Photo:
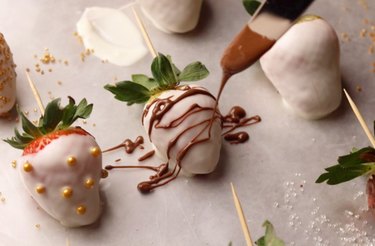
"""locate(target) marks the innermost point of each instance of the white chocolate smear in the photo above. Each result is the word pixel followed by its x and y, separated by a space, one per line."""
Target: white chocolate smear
pixel 111 35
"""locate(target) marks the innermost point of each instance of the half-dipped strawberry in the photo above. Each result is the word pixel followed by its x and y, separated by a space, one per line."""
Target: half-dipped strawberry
pixel 61 166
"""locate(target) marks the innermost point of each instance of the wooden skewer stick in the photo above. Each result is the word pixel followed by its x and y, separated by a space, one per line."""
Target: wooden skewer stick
pixel 360 119
pixel 145 34
pixel 244 226
pixel 36 93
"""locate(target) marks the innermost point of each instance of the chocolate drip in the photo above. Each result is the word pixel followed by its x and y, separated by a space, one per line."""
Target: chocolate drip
pixel 147 155
pixel 129 145
pixel 236 138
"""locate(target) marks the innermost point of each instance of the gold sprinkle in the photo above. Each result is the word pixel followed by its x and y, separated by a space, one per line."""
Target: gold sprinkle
pixel 81 210
pixel 95 151
pixel 89 183
pixel 28 70
pixel 66 62
pixel 2 199
pixel 26 113
pixel 37 226
pixel 14 163
pixel 59 82
pixel 104 173
pixel 71 161
pixel 67 192
pixel 84 121
pixel 93 124
pixel 35 110
pixel 50 70
pixel 27 167
pixel 40 189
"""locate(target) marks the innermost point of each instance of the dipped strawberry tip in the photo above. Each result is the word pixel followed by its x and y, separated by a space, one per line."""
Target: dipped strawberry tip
pixel 166 76
pixel 55 119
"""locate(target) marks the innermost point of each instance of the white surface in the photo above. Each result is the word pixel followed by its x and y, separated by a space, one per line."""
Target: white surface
pixel 283 152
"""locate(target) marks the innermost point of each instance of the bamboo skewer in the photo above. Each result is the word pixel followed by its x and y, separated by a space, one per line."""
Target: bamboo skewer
pixel 360 119
pixel 146 37
pixel 35 93
pixel 241 216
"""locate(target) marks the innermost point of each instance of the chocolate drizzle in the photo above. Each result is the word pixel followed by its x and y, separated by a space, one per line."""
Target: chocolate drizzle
pixel 128 145
pixel 147 155
pixel 163 175
pixel 236 138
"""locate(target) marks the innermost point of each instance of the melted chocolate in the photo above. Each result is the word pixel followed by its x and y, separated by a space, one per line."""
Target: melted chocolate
pixel 147 155
pixel 129 145
pixel 236 138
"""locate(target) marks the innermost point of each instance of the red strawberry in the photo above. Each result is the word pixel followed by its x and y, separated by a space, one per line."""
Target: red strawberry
pixel 61 166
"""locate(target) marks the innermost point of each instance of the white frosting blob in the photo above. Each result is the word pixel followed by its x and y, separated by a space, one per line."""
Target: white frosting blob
pixel 50 170
pixel 112 36
pixel 203 157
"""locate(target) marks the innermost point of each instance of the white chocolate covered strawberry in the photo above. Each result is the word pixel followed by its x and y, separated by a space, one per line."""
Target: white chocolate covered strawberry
pixel 61 166
pixel 178 16
pixel 7 78
pixel 182 121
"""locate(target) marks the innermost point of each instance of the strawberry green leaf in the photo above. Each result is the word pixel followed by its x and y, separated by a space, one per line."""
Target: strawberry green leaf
pixel 71 112
pixel 166 76
pixel 175 69
pixel 162 71
pixel 270 238
pixel 193 72
pixel 356 164
pixel 29 127
pixel 145 81
pixel 130 92
pixel 52 116
pixel 55 118
pixel 251 6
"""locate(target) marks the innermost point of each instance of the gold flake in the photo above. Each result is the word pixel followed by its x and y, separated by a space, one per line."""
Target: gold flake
pixel 71 161
pixel 67 192
pixel 37 226
pixel 95 151
pixel 27 167
pixel 89 183
pixel 14 163
pixel 81 210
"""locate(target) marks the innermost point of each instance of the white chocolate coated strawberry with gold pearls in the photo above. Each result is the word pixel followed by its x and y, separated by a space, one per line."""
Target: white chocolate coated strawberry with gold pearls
pixel 63 178
pixel 7 78
pixel 61 166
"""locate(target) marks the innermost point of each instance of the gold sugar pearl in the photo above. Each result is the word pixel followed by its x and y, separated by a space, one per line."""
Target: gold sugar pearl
pixel 71 161
pixel 95 151
pixel 104 173
pixel 40 189
pixel 81 210
pixel 89 183
pixel 67 192
pixel 27 167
